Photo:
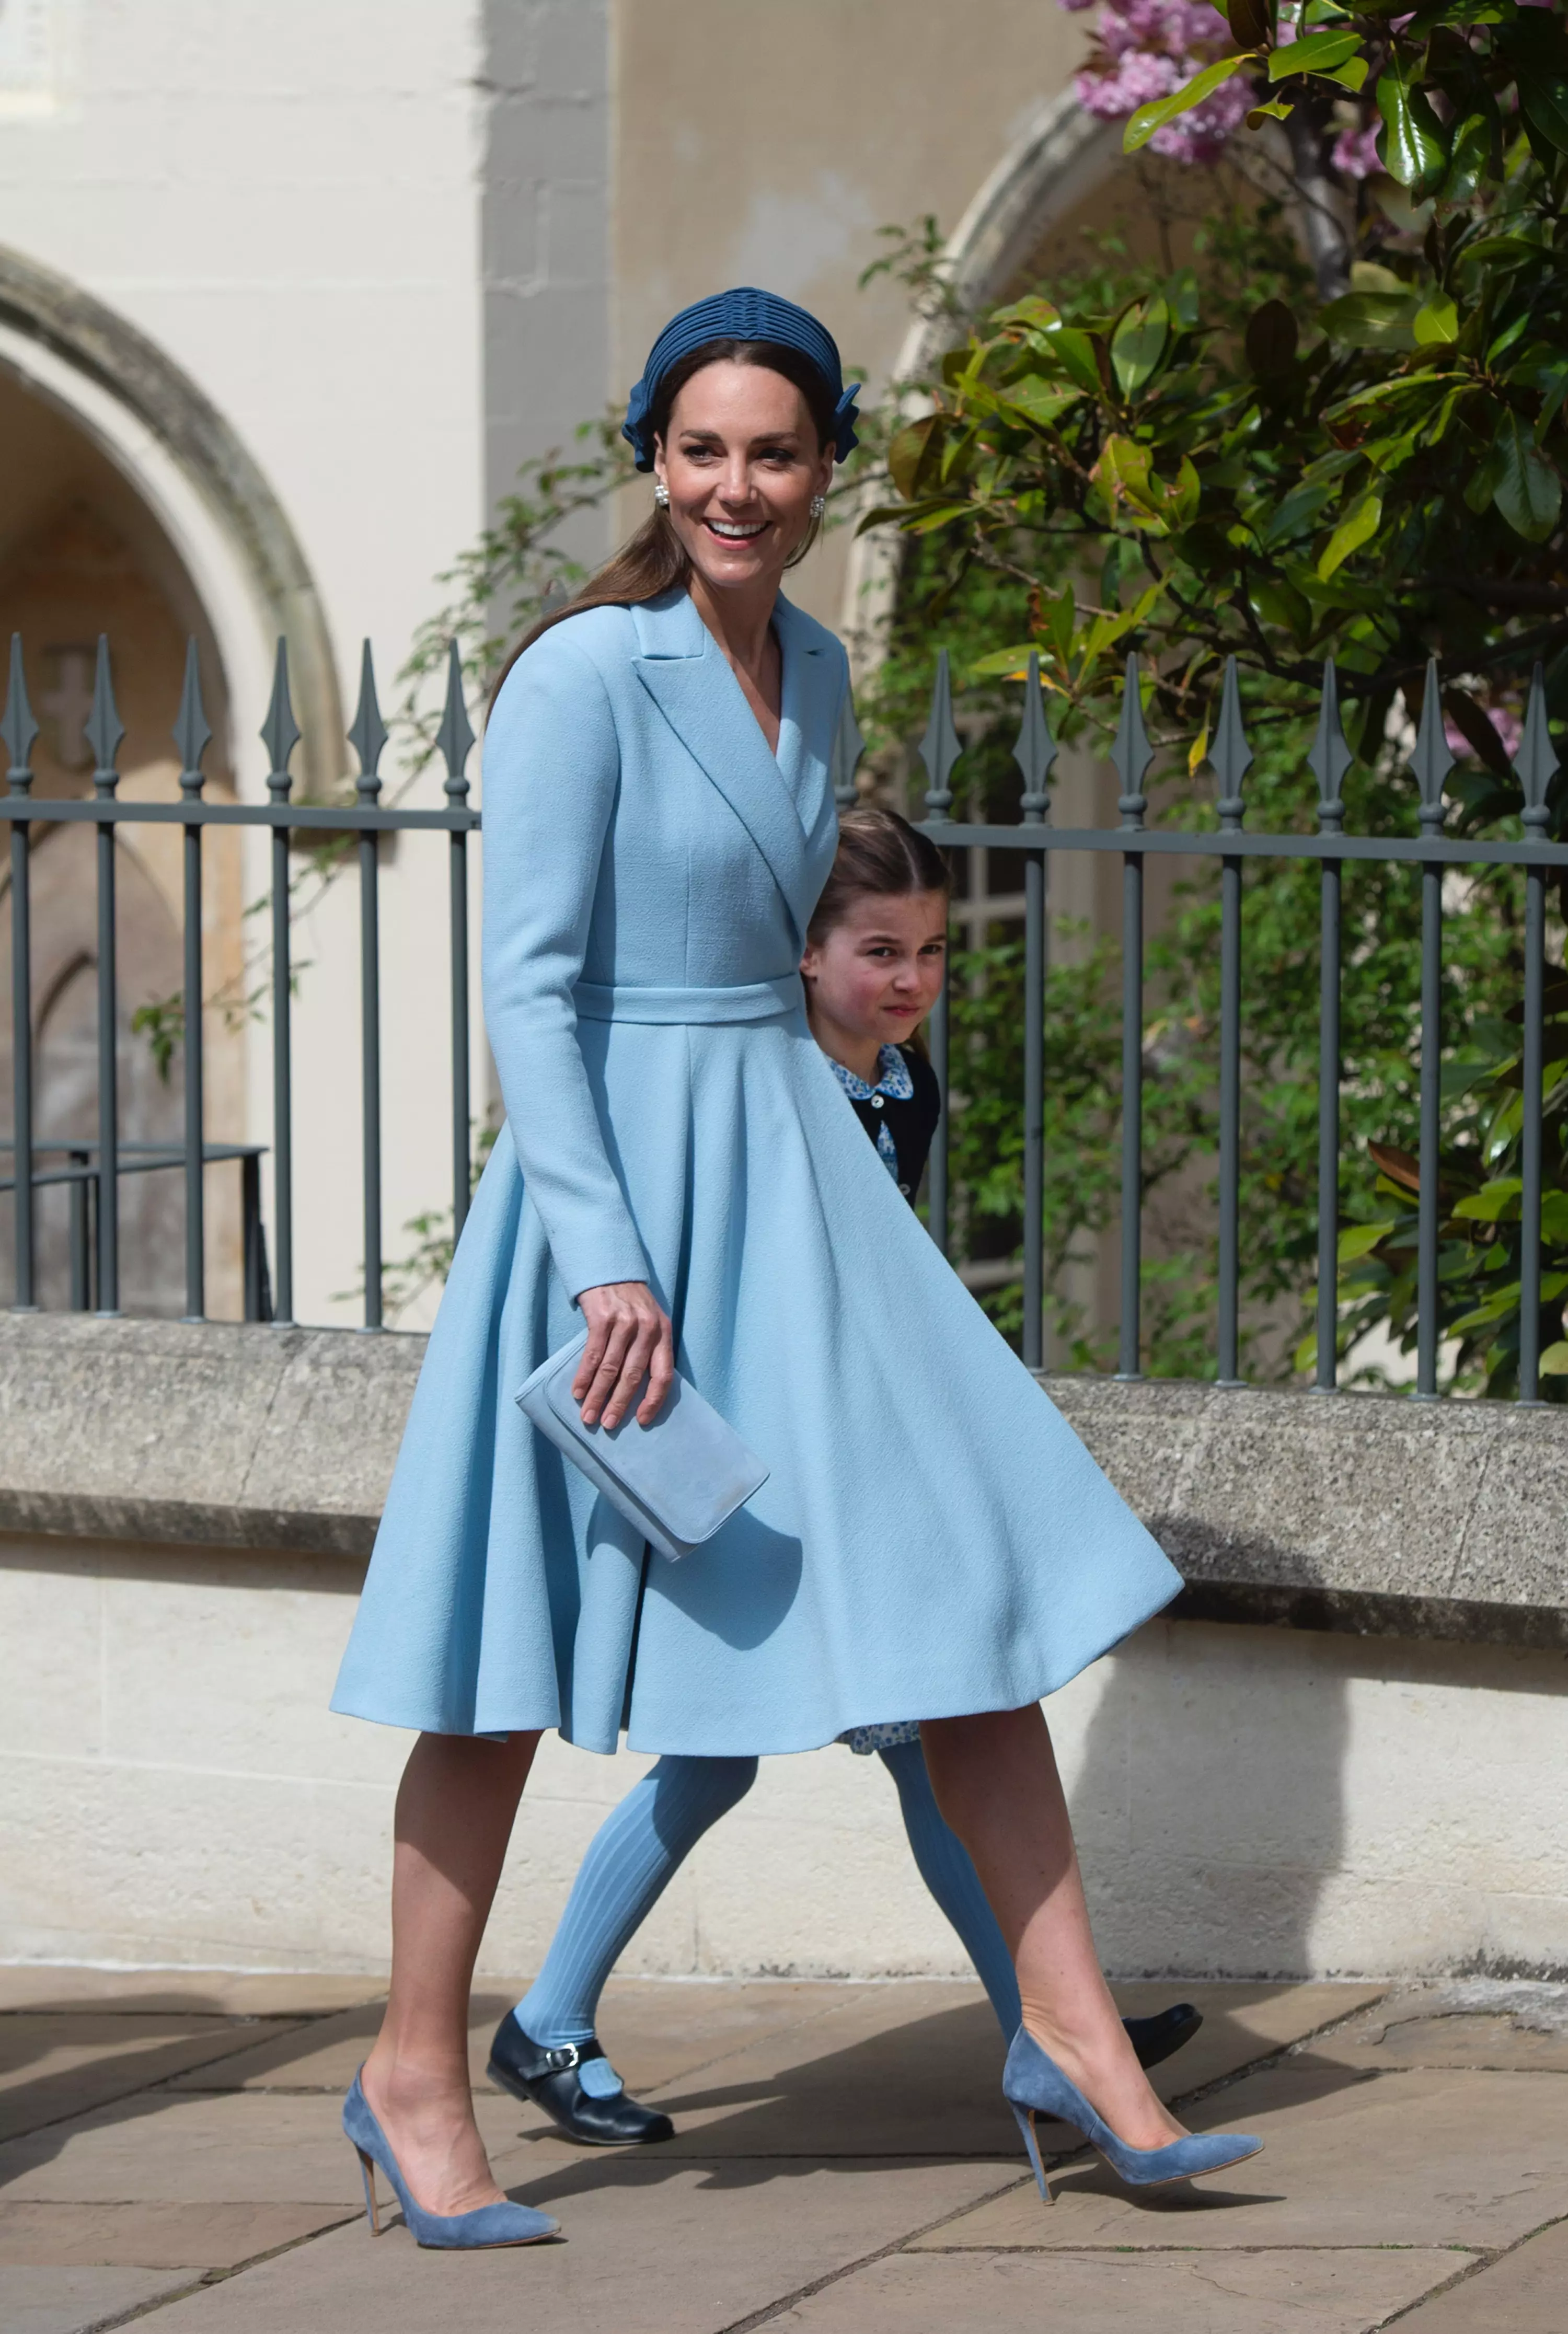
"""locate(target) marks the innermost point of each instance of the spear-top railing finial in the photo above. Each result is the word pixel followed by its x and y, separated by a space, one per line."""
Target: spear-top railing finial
pixel 368 735
pixel 939 747
pixel 17 727
pixel 1132 752
pixel 1432 759
pixel 455 737
pixel 1230 754
pixel 1535 762
pixel 280 732
pixel 191 731
pixel 1035 751
pixel 104 727
pixel 1331 757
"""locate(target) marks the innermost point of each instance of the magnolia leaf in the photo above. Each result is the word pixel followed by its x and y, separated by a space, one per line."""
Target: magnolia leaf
pixel 1470 158
pixel 1410 143
pixel 1041 403
pixel 1372 320
pixel 1142 125
pixel 907 455
pixel 1278 109
pixel 1138 342
pixel 938 514
pixel 1074 351
pixel 1360 1240
pixel 1543 102
pixel 1181 292
pixel 1036 314
pixel 1198 755
pixel 1437 324
pixel 1003 663
pixel 1360 524
pixel 1528 492
pixel 1553 1362
pixel 1251 23
pixel 1123 468
pixel 1492 1202
pixel 1352 76
pixel 1319 52
pixel 1271 337
pixel 1368 276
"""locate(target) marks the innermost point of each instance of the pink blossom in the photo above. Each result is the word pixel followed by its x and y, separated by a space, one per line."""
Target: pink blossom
pixel 1355 154
pixel 1145 49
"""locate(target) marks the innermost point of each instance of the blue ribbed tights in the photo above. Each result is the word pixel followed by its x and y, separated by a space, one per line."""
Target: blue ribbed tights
pixel 643 1842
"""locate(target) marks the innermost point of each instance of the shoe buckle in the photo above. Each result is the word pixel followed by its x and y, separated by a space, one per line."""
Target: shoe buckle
pixel 563 2055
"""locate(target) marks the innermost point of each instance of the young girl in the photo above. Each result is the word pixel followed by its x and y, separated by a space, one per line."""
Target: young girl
pixel 873 967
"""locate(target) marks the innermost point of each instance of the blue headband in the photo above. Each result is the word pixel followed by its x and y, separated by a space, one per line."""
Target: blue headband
pixel 743 314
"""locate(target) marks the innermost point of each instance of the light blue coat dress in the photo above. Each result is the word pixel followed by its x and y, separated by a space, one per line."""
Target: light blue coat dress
pixel 932 1538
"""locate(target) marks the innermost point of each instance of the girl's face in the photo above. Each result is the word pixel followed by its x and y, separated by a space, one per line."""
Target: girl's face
pixel 742 463
pixel 876 974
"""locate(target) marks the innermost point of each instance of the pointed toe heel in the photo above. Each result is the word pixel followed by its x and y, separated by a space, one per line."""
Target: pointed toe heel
pixel 1033 2084
pixel 491 2224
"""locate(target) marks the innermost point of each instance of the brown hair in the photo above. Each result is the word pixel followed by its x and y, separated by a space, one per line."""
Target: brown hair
pixel 880 857
pixel 653 559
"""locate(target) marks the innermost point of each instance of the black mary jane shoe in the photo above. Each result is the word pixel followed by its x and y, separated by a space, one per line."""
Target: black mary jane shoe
pixel 549 2079
pixel 1161 2036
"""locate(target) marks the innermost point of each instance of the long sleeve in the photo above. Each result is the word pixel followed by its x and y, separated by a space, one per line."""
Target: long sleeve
pixel 551 769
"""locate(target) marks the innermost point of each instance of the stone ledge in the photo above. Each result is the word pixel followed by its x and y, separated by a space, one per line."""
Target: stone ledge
pixel 1353 1512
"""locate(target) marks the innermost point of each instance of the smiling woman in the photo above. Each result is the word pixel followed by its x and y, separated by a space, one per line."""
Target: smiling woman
pixel 932 1543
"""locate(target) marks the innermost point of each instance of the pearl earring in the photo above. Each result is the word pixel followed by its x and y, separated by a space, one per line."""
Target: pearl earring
pixel 818 504
pixel 661 494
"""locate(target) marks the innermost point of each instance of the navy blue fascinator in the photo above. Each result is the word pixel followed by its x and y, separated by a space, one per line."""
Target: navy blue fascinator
pixel 743 314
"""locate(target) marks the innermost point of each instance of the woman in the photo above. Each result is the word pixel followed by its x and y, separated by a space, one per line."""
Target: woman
pixel 933 1541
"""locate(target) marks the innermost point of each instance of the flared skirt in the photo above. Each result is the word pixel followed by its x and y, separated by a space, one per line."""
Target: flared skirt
pixel 932 1538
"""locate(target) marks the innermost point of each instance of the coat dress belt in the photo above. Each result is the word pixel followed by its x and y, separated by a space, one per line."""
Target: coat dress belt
pixel 755 1000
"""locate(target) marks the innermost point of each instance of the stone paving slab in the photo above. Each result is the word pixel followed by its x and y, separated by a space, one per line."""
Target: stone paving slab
pixel 184 1993
pixel 65 2301
pixel 159 2149
pixel 152 2236
pixel 655 2247
pixel 54 2066
pixel 1426 2158
pixel 1409 2029
pixel 1305 2292
pixel 1525 2293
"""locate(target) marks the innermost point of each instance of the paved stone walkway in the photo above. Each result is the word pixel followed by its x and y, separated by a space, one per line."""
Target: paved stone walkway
pixel 169 2154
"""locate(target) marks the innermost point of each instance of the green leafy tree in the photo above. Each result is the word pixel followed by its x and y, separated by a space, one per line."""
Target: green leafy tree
pixel 1217 461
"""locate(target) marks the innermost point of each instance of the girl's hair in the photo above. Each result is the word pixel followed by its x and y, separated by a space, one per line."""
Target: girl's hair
pixel 653 559
pixel 880 857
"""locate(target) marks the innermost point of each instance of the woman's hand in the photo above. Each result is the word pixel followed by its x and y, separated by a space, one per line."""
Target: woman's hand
pixel 629 1338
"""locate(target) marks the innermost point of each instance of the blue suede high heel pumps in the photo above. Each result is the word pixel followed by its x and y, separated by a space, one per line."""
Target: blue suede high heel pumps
pixel 491 2224
pixel 1033 2084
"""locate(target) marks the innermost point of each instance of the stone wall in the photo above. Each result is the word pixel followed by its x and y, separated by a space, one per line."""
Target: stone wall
pixel 1344 1758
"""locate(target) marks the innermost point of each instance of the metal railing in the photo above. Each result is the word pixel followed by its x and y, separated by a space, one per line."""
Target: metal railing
pixel 1230 757
pixel 100 1164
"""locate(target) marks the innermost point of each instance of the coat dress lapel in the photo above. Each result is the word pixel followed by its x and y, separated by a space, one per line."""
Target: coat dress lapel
pixel 683 671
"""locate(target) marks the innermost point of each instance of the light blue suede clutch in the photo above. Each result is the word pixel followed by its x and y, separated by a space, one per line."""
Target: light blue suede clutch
pixel 677 1481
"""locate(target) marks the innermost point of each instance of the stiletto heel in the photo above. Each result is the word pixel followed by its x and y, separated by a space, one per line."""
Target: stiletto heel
pixel 1033 2084
pixel 491 2224
pixel 1026 2124
pixel 367 2174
